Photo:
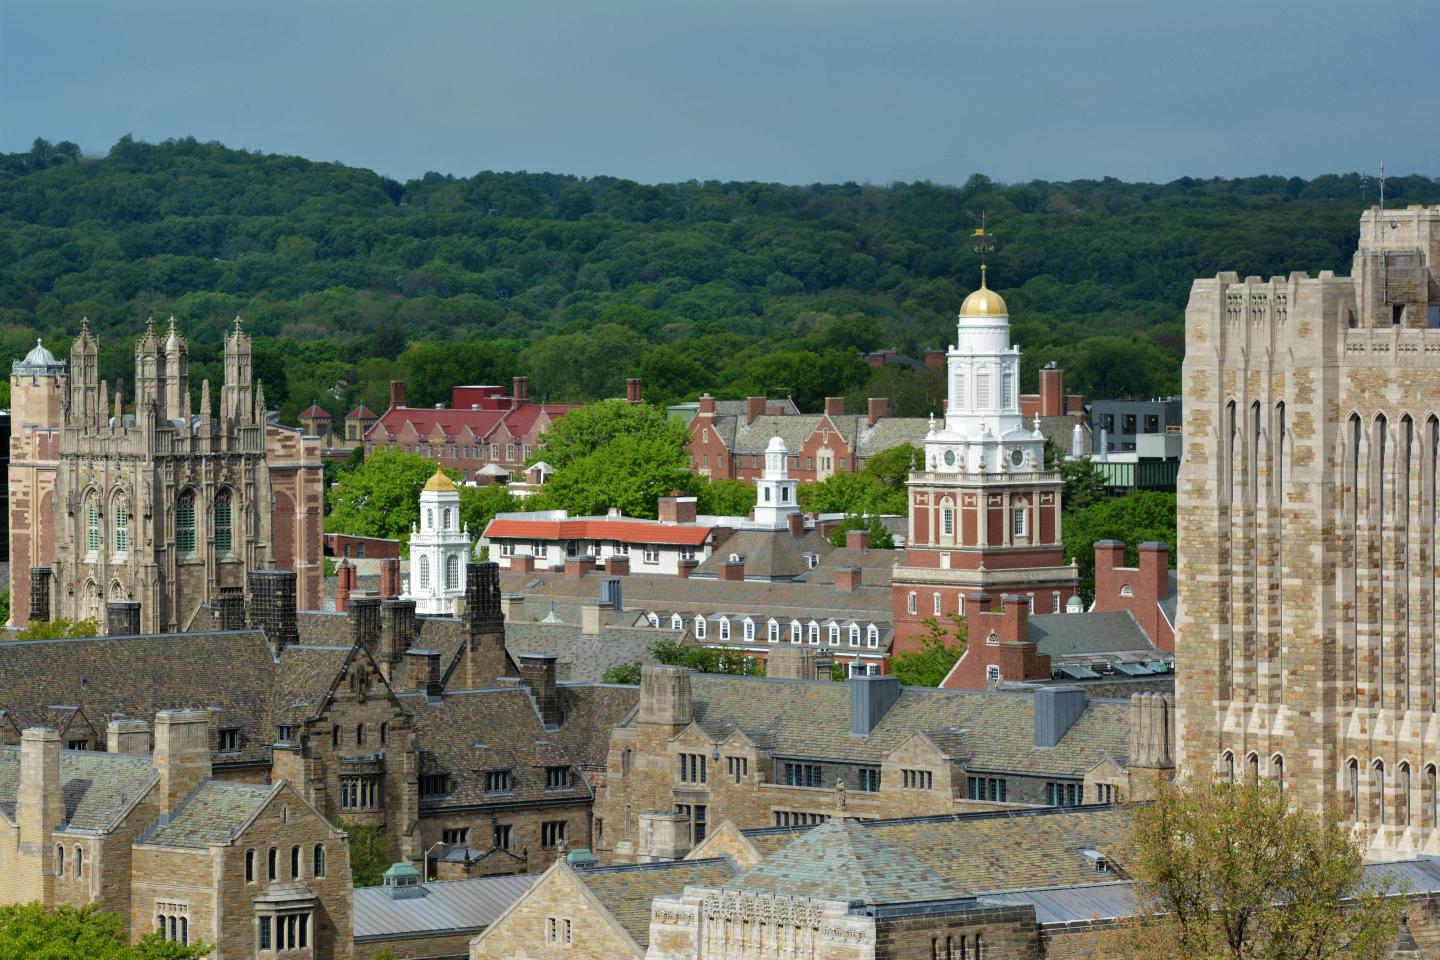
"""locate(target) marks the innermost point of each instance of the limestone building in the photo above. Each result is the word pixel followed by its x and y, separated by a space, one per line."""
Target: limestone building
pixel 1308 507
pixel 439 548
pixel 164 506
pixel 985 508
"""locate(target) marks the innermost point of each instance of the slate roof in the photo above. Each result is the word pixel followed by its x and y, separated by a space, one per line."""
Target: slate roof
pixel 876 566
pixel 581 657
pixel 469 905
pixel 983 730
pixel 97 786
pixel 841 860
pixel 211 815
pixel 890 432
pixel 1081 634
pixel 469 732
pixel 627 891
pixel 304 679
pixel 772 554
pixel 1168 605
pixel 229 673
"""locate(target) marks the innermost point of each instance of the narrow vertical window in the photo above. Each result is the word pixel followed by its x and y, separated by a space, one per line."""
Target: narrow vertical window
pixel 424 573
pixel 185 522
pixel 1404 790
pixel 92 523
pixel 452 572
pixel 223 538
pixel 121 515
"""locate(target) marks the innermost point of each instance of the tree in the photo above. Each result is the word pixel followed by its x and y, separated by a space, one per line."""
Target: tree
pixel 478 506
pixel 1239 871
pixel 623 673
pixel 1137 517
pixel 582 432
pixel 939 650
pixel 707 659
pixel 1081 485
pixel 58 629
pixel 630 472
pixel 372 851
pixel 28 932
pixel 880 537
pixel 381 497
pixel 726 498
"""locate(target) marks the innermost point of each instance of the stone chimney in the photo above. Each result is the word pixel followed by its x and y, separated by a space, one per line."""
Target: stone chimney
pixel 676 508
pixel 398 632
pixel 537 670
pixel 847 579
pixel 39 810
pixel 40 594
pixel 732 570
pixel 857 539
pixel 520 390
pixel 390 578
pixel 397 393
pixel 484 628
pixel 1052 392
pixel 791 661
pixel 422 671
pixel 877 409
pixel 512 605
pixel 128 736
pixel 595 615
pixel 632 391
pixel 364 618
pixel 230 609
pixel 665 697
pixel 1152 731
pixel 182 755
pixel 834 406
pixel 122 618
pixel 272 607
pixel 754 407
pixel 663 836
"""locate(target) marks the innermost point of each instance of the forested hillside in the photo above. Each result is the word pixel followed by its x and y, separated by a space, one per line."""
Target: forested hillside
pixel 348 279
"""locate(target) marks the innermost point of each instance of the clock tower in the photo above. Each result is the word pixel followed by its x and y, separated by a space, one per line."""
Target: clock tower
pixel 984 509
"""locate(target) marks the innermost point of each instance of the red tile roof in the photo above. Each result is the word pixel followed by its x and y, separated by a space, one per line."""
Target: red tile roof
pixel 316 411
pixel 599 528
pixel 481 422
pixel 362 412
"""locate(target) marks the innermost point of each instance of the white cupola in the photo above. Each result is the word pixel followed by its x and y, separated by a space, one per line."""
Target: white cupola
pixel 775 491
pixel 439 549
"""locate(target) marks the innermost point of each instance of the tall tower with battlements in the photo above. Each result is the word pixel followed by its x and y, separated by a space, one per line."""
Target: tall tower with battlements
pixel 1308 525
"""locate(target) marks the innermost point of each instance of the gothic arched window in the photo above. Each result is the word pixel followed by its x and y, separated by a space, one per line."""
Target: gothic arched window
pixel 223 538
pixel 424 573
pixel 452 572
pixel 120 520
pixel 445 516
pixel 92 523
pixel 185 522
pixel 1007 389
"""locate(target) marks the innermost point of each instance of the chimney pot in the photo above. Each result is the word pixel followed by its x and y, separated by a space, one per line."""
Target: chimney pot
pixel 877 409
pixel 835 406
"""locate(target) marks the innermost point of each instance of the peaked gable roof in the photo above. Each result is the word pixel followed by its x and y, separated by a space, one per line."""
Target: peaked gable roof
pixel 97 786
pixel 626 892
pixel 213 814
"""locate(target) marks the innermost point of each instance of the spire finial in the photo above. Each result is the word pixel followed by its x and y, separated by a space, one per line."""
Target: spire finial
pixel 983 244
pixel 84 326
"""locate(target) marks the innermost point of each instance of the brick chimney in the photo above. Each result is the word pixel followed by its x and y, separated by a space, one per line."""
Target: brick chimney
pixel 342 585
pixel 272 606
pixel 128 736
pixel 122 618
pixel 632 391
pixel 1052 392
pixel 857 540
pixel 537 670
pixel 520 390
pixel 390 578
pixel 1015 618
pixel 617 565
pixel 847 579
pixel 577 566
pixel 754 407
pixel 522 563
pixel 230 609
pixel 707 406
pixel 39 809
pixel 834 406
pixel 732 570
pixel 677 508
pixel 182 755
pixel 796 523
pixel 877 409
pixel 397 393
pixel 684 568
pixel 1155 569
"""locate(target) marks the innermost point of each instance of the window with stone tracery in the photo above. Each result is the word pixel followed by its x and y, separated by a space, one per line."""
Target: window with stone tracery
pixel 92 523
pixel 223 537
pixel 185 522
pixel 120 514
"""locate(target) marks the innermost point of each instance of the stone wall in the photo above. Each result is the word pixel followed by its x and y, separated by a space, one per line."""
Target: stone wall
pixel 522 932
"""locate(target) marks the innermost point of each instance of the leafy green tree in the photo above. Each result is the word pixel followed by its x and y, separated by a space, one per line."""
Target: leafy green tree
pixel 939 650
pixel 478 506
pixel 1239 871
pixel 725 498
pixel 893 467
pixel 707 659
pixel 372 851
pixel 880 537
pixel 629 472
pixel 1082 485
pixel 58 629
pixel 587 430
pixel 4 606
pixel 381 497
pixel 28 932
pixel 1137 517
pixel 624 673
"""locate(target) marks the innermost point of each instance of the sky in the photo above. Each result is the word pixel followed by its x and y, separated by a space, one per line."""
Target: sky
pixel 793 91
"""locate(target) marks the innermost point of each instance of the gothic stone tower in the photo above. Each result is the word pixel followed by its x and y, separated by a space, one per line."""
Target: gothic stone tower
pixel 167 505
pixel 37 385
pixel 984 510
pixel 1308 508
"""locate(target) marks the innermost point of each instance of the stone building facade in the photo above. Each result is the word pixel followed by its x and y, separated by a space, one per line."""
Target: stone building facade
pixel 165 506
pixel 1308 532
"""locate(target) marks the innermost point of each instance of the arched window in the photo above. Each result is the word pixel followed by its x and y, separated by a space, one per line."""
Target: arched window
pixel 249 866
pixel 1377 791
pixel 318 864
pixel 120 518
pixel 273 866
pixel 92 523
pixel 384 733
pixel 452 572
pixel 445 518
pixel 1404 788
pixel 185 522
pixel 223 538
pixel 294 863
pixel 424 573
pixel 59 860
pixel 429 519
pixel 1227 761
pixel 1352 786
pixel 359 734
pixel 1126 590
pixel 1252 764
pixel 1277 771
pixel 79 862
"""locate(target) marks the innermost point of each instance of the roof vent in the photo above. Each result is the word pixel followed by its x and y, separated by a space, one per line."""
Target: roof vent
pixel 1056 710
pixel 871 697
pixel 1097 860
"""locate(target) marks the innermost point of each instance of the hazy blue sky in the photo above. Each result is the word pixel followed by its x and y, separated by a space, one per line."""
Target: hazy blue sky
pixel 792 91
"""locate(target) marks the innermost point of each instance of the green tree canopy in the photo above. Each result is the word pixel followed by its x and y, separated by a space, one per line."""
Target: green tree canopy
pixel 372 851
pixel 587 430
pixel 380 497
pixel 880 537
pixel 726 498
pixel 631 472
pixel 939 650
pixel 478 506
pixel 1137 517
pixel 28 932
pixel 57 629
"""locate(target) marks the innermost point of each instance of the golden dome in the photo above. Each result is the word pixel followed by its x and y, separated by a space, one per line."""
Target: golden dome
pixel 984 302
pixel 439 483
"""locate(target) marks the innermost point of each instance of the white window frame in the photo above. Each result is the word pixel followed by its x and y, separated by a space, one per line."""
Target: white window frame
pixel 872 636
pixel 854 634
pixel 797 634
pixel 833 634
pixel 699 627
pixel 507 548
pixel 937 601
pixel 652 553
pixel 1019 523
pixel 812 632
pixel 724 628
pixel 749 631
pixel 772 631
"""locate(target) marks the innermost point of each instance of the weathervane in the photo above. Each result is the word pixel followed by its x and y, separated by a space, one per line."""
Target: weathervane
pixel 984 243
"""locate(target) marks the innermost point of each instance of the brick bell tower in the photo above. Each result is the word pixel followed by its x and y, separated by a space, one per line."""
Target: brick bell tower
pixel 984 510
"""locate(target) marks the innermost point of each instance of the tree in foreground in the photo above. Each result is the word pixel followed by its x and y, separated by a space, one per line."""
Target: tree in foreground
pixel 939 649
pixel 1239 872
pixel 28 932
pixel 381 497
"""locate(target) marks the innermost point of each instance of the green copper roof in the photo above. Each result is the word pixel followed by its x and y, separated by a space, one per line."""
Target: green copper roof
pixel 842 860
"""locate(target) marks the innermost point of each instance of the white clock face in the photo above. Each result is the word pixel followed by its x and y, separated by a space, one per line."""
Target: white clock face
pixel 1017 457
pixel 949 458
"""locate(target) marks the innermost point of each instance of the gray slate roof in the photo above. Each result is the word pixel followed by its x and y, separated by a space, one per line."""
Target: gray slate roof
pixel 452 905
pixel 1087 634
pixel 210 814
pixel 97 786
pixel 771 554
